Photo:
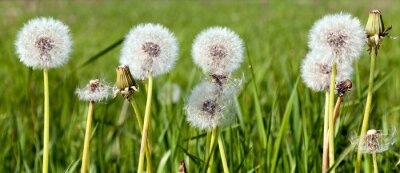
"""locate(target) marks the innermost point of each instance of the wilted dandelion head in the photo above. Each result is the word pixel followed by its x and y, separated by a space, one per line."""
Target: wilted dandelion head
pixel 149 48
pixel 218 50
pixel 376 141
pixel 95 91
pixel 340 36
pixel 316 71
pixel 169 93
pixel 43 43
pixel 209 107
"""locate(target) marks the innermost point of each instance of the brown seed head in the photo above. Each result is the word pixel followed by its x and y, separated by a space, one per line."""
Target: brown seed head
pixel 152 49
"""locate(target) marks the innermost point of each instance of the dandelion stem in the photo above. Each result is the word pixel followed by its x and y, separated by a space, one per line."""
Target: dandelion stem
pixel 214 135
pixel 222 153
pixel 147 118
pixel 375 163
pixel 367 107
pixel 139 119
pixel 325 160
pixel 46 122
pixel 85 155
pixel 331 117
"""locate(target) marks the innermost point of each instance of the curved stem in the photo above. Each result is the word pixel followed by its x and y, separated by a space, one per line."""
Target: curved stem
pixel 375 163
pixel 85 155
pixel 46 122
pixel 214 135
pixel 222 153
pixel 139 119
pixel 147 118
pixel 367 107
pixel 331 117
pixel 325 160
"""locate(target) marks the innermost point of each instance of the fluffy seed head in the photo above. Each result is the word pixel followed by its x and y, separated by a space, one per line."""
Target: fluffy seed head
pixel 208 106
pixel 43 43
pixel 95 91
pixel 218 50
pixel 376 141
pixel 149 48
pixel 316 71
pixel 338 35
pixel 169 93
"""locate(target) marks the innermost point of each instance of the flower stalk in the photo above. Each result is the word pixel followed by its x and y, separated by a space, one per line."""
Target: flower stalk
pixel 46 121
pixel 85 156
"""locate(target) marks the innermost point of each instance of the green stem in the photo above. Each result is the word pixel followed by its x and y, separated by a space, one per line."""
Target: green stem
pixel 139 119
pixel 214 135
pixel 331 117
pixel 85 155
pixel 222 153
pixel 375 163
pixel 325 161
pixel 367 107
pixel 46 122
pixel 147 118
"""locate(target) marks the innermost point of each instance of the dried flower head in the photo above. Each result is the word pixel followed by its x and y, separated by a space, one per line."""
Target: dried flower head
pixel 125 84
pixel 43 43
pixel 340 36
pixel 149 48
pixel 343 86
pixel 376 141
pixel 208 106
pixel 375 28
pixel 218 50
pixel 169 93
pixel 316 71
pixel 95 91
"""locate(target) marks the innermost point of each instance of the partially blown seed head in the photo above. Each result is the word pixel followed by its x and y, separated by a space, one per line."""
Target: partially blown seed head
pixel 149 48
pixel 376 141
pixel 340 36
pixel 218 50
pixel 95 91
pixel 43 43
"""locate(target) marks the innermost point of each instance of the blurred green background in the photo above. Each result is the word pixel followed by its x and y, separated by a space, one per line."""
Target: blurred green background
pixel 276 35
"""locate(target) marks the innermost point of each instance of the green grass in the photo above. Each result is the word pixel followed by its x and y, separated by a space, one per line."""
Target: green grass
pixel 275 33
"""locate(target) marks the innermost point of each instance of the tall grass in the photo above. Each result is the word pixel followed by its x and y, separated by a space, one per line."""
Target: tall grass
pixel 275 33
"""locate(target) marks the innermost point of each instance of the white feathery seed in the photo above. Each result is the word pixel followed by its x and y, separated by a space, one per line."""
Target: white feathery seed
pixel 316 71
pixel 43 43
pixel 376 141
pixel 149 48
pixel 218 50
pixel 95 91
pixel 340 36
pixel 208 107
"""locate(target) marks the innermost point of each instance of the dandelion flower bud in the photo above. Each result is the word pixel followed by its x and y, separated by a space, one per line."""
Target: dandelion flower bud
pixel 207 107
pixel 169 93
pixel 149 48
pixel 218 50
pixel 95 91
pixel 375 28
pixel 340 36
pixel 125 84
pixel 43 43
pixel 376 141
pixel 316 71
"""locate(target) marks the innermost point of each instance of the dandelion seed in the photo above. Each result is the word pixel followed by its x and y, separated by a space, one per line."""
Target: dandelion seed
pixel 149 48
pixel 316 71
pixel 169 93
pixel 43 43
pixel 218 51
pixel 375 141
pixel 340 36
pixel 95 91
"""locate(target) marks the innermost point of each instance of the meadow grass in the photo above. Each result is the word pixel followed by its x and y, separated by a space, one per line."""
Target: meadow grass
pixel 271 101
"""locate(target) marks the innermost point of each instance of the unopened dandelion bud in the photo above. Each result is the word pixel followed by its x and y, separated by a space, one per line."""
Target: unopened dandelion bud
pixel 343 86
pixel 374 28
pixel 125 84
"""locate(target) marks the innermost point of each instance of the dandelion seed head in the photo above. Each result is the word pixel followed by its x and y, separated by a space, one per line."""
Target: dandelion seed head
pixel 43 43
pixel 376 141
pixel 316 71
pixel 149 48
pixel 218 50
pixel 95 91
pixel 340 36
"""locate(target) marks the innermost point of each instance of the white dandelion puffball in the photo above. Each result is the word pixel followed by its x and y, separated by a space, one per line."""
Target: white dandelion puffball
pixel 149 48
pixel 207 107
pixel 43 43
pixel 95 91
pixel 340 36
pixel 218 50
pixel 316 71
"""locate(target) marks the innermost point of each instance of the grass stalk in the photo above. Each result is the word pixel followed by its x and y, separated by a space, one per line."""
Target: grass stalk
pixel 85 155
pixel 367 107
pixel 222 153
pixel 46 121
pixel 331 117
pixel 375 163
pixel 147 118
